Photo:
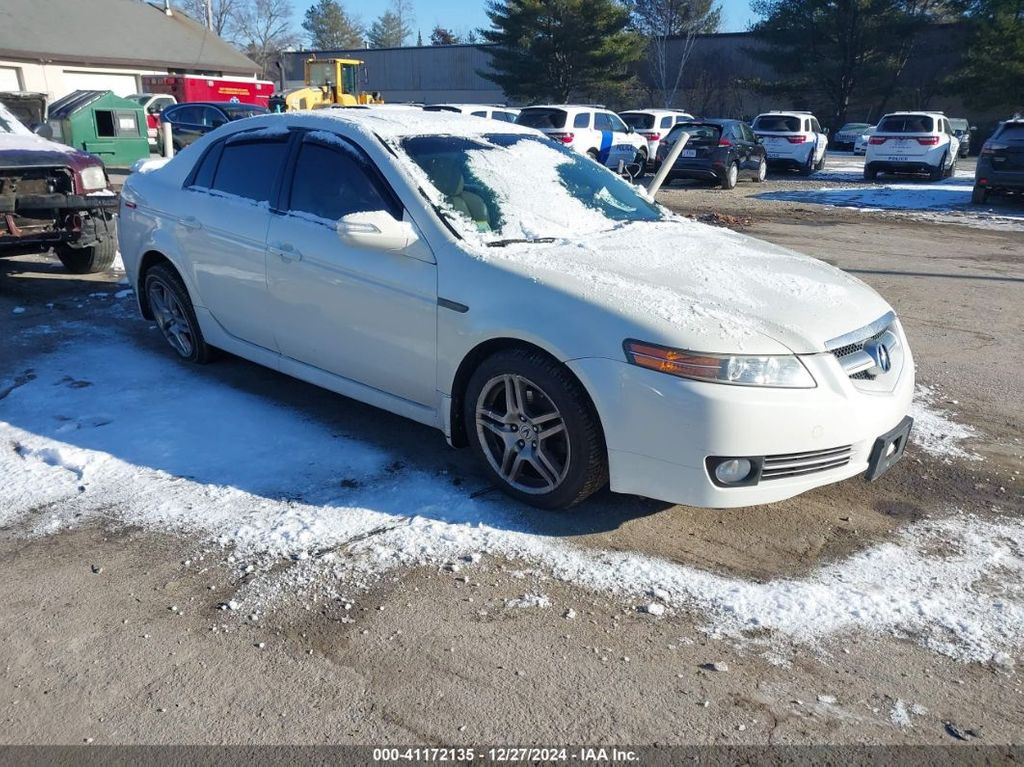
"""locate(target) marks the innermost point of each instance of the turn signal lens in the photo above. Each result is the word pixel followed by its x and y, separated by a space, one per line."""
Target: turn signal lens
pixel 777 370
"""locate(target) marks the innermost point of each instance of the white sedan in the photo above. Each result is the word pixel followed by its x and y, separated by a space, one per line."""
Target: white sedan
pixel 526 301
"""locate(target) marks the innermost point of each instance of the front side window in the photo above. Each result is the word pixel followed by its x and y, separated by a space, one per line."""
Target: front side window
pixel 187 115
pixel 603 122
pixel 250 168
pixel 331 182
pixel 488 184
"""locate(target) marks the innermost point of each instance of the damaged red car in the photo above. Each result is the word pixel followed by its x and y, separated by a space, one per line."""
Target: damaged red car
pixel 54 196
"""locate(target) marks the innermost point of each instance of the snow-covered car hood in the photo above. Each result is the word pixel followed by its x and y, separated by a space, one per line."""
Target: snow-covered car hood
pixel 703 288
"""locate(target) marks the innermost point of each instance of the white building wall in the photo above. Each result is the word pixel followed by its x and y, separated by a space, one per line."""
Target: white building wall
pixel 58 80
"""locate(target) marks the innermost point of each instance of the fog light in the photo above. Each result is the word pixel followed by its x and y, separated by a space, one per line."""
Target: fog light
pixel 732 471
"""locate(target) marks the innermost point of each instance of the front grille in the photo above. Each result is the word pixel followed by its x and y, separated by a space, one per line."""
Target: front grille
pixel 799 464
pixel 859 364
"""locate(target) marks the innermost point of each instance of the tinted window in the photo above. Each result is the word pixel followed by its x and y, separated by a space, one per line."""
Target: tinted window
pixel 748 134
pixel 777 124
pixel 815 125
pixel 238 111
pixel 1014 132
pixel 507 117
pixel 330 182
pixel 603 121
pixel 191 115
pixel 638 120
pixel 212 118
pixel 699 132
pixel 667 122
pixel 542 118
pixel 582 120
pixel 481 113
pixel 203 175
pixel 617 125
pixel 906 124
pixel 250 168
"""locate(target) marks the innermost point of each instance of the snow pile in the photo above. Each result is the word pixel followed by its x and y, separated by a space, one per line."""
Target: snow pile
pixel 111 432
pixel 935 432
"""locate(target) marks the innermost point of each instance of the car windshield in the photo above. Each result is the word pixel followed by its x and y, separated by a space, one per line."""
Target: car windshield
pixel 638 120
pixel 542 118
pixel 139 98
pixel 906 124
pixel 512 187
pixel 959 125
pixel 699 132
pixel 777 124
pixel 238 111
pixel 10 124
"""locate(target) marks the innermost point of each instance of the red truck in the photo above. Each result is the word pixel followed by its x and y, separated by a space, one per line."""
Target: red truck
pixel 203 88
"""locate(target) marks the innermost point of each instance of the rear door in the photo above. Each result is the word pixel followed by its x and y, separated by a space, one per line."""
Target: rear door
pixel 223 229
pixel 362 313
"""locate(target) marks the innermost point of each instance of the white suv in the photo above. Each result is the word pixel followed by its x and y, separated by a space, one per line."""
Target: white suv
pixel 504 114
pixel 912 142
pixel 593 131
pixel 653 125
pixel 792 140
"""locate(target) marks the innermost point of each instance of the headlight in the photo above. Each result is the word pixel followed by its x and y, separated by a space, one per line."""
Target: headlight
pixel 93 178
pixel 781 370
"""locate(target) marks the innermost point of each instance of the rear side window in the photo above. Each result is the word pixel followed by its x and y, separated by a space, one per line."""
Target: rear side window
pixel 333 181
pixel 582 120
pixel 906 124
pixel 203 175
pixel 250 168
pixel 638 120
pixel 778 124
pixel 542 118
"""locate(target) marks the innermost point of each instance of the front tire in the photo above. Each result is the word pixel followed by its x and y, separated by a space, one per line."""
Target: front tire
pixel 534 430
pixel 172 309
pixel 90 260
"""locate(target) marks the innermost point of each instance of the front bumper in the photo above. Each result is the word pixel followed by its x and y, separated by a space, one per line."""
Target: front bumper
pixel 660 430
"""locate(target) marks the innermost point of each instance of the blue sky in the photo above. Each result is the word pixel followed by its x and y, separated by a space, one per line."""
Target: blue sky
pixel 463 16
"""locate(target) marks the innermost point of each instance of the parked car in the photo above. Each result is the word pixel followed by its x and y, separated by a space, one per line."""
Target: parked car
pixel 1000 168
pixel 503 113
pixel 860 146
pixel 529 303
pixel 29 109
pixel 54 196
pixel 846 137
pixel 653 125
pixel 717 150
pixel 793 140
pixel 153 103
pixel 912 142
pixel 962 131
pixel 194 119
pixel 594 131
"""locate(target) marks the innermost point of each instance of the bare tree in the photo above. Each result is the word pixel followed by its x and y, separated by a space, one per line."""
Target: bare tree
pixel 671 27
pixel 221 14
pixel 264 30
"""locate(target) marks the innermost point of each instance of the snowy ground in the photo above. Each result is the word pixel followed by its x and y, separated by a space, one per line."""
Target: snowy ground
pixel 842 185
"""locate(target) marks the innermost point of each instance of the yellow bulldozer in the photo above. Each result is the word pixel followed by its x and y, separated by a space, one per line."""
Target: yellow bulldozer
pixel 329 82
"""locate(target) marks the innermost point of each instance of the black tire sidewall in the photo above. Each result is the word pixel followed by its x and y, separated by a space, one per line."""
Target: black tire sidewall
pixel 729 180
pixel 172 282
pixel 577 414
pixel 91 260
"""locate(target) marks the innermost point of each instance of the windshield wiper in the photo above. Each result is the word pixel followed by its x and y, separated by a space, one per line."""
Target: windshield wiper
pixel 516 241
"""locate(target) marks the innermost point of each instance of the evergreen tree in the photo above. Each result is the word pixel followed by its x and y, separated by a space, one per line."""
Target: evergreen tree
pixel 992 76
pixel 554 49
pixel 442 36
pixel 329 27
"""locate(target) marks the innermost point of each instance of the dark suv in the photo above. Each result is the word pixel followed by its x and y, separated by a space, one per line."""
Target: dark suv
pixel 54 196
pixel 1000 166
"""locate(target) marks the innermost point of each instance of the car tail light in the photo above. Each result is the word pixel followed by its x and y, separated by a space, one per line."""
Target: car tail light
pixel 990 148
pixel 724 142
pixel 877 140
pixel 928 140
pixel 152 121
pixel 796 139
pixel 651 135
pixel 565 138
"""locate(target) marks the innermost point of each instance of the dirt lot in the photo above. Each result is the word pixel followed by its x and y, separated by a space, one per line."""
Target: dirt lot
pixel 117 629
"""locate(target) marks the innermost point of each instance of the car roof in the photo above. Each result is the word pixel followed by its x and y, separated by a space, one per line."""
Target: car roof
pixel 598 107
pixel 914 112
pixel 392 123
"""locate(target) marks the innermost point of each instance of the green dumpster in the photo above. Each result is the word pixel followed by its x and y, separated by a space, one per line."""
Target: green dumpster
pixel 102 123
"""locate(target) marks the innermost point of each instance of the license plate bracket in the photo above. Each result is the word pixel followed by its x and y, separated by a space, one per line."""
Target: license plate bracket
pixel 888 449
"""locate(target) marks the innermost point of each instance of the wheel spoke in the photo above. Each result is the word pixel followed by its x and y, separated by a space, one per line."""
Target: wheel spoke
pixel 509 462
pixel 540 420
pixel 551 431
pixel 544 467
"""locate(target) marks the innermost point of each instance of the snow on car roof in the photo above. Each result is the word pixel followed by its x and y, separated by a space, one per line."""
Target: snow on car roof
pixel 402 123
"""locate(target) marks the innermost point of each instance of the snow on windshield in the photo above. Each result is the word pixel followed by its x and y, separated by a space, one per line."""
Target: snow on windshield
pixel 524 187
pixel 11 125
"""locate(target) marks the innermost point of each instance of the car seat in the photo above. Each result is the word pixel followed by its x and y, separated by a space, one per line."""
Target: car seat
pixel 448 178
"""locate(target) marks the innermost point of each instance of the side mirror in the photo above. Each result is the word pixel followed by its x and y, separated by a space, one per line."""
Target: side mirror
pixel 376 229
pixel 42 129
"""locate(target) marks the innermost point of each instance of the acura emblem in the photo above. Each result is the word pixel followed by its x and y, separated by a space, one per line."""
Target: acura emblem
pixel 880 354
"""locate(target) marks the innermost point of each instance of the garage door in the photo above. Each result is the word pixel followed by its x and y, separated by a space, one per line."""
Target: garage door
pixel 9 79
pixel 121 84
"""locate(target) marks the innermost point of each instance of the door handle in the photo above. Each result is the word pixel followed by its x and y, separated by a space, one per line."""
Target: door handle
pixel 191 222
pixel 286 251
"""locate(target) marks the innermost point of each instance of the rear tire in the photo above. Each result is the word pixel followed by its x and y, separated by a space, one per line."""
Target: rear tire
pixel 822 161
pixel 808 167
pixel 593 155
pixel 90 260
pixel 732 174
pixel 979 196
pixel 870 174
pixel 523 391
pixel 172 308
pixel 939 173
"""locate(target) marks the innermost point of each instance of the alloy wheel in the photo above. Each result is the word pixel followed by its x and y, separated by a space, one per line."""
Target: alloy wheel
pixel 523 434
pixel 171 318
